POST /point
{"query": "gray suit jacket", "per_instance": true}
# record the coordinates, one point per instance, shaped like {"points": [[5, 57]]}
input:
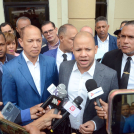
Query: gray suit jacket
{"points": [[104, 76]]}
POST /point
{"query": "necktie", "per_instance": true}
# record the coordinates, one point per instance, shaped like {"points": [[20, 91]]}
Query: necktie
{"points": [[64, 57], [125, 77]]}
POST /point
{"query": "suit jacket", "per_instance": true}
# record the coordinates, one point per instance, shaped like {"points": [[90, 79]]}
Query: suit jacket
{"points": [[9, 57], [112, 42], [113, 59], [53, 53], [104, 77], [18, 85]]}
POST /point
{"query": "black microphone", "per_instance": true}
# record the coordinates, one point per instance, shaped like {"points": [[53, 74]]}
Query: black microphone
{"points": [[92, 85], [56, 101], [77, 102]]}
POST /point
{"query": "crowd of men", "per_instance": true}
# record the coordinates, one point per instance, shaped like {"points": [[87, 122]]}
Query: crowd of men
{"points": [[67, 56]]}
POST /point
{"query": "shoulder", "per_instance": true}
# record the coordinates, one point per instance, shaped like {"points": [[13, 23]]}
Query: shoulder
{"points": [[112, 37], [46, 58], [67, 64], [113, 52], [49, 52], [105, 68], [10, 57]]}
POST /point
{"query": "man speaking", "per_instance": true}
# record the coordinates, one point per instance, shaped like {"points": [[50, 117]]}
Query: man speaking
{"points": [[26, 78], [74, 74]]}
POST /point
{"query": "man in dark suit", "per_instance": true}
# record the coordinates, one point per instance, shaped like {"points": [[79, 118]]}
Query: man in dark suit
{"points": [[4, 58], [117, 59], [74, 74], [103, 39], [66, 35], [27, 77]]}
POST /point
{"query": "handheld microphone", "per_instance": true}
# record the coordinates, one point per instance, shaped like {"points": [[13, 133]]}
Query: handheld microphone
{"points": [[58, 96], [93, 90], [77, 102]]}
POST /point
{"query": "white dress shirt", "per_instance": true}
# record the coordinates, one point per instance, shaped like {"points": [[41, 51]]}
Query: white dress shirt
{"points": [[131, 75], [59, 57], [76, 87], [103, 45], [35, 71]]}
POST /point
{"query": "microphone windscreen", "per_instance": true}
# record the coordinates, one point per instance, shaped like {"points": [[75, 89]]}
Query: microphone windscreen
{"points": [[91, 85], [78, 100]]}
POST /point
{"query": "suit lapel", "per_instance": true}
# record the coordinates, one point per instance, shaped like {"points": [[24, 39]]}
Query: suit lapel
{"points": [[98, 77], [96, 41], [117, 65], [23, 68], [42, 73]]}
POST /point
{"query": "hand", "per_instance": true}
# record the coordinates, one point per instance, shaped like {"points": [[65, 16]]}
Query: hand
{"points": [[45, 121], [36, 111], [33, 129], [1, 103], [87, 128], [102, 112]]}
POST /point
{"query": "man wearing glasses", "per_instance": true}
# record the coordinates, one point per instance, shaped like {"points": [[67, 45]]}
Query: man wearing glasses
{"points": [[50, 33]]}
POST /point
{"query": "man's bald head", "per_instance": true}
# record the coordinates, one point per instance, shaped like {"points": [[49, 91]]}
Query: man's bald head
{"points": [[87, 29], [29, 27], [84, 50], [83, 35]]}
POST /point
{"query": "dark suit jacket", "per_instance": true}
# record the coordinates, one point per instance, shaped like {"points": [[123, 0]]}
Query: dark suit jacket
{"points": [[113, 59], [53, 53], [18, 85], [9, 57], [104, 77], [112, 42]]}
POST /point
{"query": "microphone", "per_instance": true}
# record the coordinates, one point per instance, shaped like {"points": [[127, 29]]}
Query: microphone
{"points": [[56, 99], [93, 90], [76, 102]]}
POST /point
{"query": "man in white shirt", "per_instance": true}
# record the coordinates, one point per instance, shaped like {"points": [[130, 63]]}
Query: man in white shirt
{"points": [[74, 74], [66, 35], [103, 39], [100, 52], [27, 77]]}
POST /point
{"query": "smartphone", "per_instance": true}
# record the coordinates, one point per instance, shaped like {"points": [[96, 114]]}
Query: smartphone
{"points": [[10, 112], [119, 113]]}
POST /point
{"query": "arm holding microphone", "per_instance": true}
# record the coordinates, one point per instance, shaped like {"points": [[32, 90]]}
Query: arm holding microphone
{"points": [[102, 112]]}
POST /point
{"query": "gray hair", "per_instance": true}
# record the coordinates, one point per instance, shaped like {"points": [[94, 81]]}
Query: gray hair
{"points": [[101, 18], [63, 28], [22, 18]]}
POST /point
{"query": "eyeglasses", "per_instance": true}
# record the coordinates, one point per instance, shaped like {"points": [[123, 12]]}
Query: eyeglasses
{"points": [[49, 31]]}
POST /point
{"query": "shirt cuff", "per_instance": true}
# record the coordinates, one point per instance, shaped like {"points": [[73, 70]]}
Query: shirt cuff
{"points": [[25, 115], [95, 125]]}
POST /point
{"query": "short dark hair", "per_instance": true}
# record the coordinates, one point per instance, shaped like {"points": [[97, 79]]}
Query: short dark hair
{"points": [[125, 104], [47, 22], [63, 28], [101, 18], [129, 23], [4, 24], [3, 35]]}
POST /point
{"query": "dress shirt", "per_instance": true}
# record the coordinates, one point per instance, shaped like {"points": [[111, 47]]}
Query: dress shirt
{"points": [[103, 45], [55, 46], [131, 75], [1, 64], [59, 57], [35, 71], [100, 53], [76, 87]]}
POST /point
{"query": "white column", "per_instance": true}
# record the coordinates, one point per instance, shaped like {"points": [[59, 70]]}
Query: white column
{"points": [[2, 16]]}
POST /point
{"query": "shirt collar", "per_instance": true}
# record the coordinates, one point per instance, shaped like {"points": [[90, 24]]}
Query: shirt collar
{"points": [[125, 57], [90, 71], [26, 59], [107, 39]]}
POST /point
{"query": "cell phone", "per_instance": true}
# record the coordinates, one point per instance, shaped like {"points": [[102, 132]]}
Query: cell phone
{"points": [[117, 119], [10, 112]]}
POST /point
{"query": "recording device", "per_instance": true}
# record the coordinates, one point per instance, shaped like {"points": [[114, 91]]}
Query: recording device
{"points": [[93, 90], [10, 112], [77, 102], [56, 100]]}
